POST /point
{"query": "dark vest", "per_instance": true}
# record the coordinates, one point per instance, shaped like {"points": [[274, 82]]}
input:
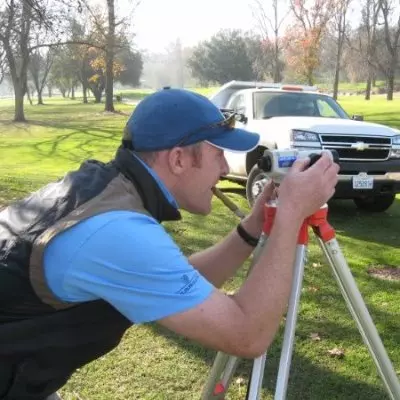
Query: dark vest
{"points": [[44, 340]]}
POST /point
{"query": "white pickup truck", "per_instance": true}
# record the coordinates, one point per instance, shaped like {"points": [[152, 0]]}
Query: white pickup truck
{"points": [[294, 116]]}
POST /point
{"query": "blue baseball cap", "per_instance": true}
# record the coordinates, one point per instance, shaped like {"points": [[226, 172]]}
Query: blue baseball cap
{"points": [[179, 117]]}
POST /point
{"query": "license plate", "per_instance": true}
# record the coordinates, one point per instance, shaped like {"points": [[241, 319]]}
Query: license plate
{"points": [[363, 182]]}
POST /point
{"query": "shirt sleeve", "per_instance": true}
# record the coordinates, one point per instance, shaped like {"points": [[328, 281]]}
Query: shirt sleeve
{"points": [[130, 261]]}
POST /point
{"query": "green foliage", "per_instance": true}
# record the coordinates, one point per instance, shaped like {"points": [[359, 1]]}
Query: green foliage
{"points": [[226, 56], [131, 67]]}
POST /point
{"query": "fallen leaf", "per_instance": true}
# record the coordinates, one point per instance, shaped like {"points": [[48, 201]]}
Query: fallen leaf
{"points": [[313, 289], [316, 265], [240, 380], [315, 337], [336, 352]]}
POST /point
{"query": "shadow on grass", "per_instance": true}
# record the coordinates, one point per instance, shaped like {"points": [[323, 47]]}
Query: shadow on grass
{"points": [[75, 146], [307, 380]]}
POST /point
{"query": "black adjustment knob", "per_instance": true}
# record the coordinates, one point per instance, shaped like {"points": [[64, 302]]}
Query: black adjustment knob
{"points": [[335, 156], [313, 158], [265, 164]]}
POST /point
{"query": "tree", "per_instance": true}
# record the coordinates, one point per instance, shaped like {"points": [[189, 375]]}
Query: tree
{"points": [[63, 73], [369, 45], [132, 66], [110, 53], [303, 37], [20, 21], [340, 27], [16, 21], [39, 67], [109, 28], [391, 12], [269, 29], [223, 58]]}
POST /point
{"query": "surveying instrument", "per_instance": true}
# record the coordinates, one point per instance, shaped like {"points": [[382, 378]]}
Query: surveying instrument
{"points": [[276, 164]]}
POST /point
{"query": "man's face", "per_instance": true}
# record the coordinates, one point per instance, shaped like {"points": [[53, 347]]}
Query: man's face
{"points": [[209, 164]]}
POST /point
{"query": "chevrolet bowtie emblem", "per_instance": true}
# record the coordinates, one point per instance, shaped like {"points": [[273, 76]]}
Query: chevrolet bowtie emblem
{"points": [[360, 146]]}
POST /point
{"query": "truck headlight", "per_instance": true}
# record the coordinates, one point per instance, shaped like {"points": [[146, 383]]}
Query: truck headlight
{"points": [[303, 136], [395, 151], [394, 154], [396, 140]]}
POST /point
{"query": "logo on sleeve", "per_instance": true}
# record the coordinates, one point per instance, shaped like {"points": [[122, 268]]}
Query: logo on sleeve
{"points": [[188, 283]]}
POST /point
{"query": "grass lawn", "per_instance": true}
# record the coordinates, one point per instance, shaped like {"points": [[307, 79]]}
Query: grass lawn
{"points": [[152, 363]]}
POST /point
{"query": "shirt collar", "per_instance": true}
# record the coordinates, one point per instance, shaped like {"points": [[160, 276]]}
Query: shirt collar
{"points": [[160, 183]]}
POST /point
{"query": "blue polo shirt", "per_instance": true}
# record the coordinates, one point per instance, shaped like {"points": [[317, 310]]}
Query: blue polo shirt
{"points": [[129, 260]]}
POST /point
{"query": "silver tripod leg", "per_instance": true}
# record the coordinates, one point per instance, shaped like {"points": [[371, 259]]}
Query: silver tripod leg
{"points": [[290, 324], [256, 378], [224, 365], [361, 316], [288, 340]]}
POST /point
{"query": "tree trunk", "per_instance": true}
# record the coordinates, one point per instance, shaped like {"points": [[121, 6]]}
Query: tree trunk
{"points": [[50, 92], [28, 94], [109, 105], [310, 77], [19, 93], [368, 88], [336, 83], [97, 94], [390, 85], [337, 69], [40, 98], [84, 89], [277, 72], [73, 92]]}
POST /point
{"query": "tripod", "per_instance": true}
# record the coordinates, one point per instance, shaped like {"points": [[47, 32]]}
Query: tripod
{"points": [[225, 365]]}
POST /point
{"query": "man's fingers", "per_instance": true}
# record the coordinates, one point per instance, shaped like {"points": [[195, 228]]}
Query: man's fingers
{"points": [[300, 165], [323, 163], [268, 190]]}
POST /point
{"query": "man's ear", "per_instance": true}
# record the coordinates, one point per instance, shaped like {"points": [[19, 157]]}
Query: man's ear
{"points": [[178, 160]]}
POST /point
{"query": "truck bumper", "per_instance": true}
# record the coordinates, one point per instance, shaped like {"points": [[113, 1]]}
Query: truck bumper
{"points": [[383, 184], [386, 177]]}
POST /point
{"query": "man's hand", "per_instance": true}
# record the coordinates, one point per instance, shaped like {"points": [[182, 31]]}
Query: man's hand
{"points": [[304, 190], [253, 223]]}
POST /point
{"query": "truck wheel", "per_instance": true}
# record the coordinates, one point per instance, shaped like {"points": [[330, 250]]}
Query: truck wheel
{"points": [[377, 203], [255, 183]]}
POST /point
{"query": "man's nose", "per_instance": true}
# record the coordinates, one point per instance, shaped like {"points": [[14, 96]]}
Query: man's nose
{"points": [[225, 167]]}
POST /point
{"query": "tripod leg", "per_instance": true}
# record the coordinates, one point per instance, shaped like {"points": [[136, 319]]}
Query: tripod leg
{"points": [[225, 365], [290, 325], [361, 316], [220, 377], [256, 378]]}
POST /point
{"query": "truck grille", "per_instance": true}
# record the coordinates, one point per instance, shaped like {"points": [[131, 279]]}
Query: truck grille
{"points": [[353, 148]]}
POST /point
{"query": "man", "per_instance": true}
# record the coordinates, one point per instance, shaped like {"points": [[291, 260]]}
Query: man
{"points": [[86, 257]]}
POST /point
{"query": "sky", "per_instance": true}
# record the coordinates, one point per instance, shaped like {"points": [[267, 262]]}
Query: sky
{"points": [[160, 22]]}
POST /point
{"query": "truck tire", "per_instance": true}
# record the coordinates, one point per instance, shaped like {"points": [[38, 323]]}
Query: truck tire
{"points": [[255, 183], [377, 203]]}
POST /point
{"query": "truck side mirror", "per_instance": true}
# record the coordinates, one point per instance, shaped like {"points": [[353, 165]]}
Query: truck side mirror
{"points": [[357, 117]]}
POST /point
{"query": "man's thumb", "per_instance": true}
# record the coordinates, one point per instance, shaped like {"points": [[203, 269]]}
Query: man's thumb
{"points": [[300, 164]]}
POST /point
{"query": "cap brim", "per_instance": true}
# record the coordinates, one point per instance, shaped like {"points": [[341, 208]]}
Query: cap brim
{"points": [[235, 139]]}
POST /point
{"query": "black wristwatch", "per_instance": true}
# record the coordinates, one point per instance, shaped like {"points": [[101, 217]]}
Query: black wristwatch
{"points": [[249, 239]]}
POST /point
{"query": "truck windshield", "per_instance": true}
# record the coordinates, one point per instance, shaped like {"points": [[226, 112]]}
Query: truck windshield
{"points": [[282, 104]]}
